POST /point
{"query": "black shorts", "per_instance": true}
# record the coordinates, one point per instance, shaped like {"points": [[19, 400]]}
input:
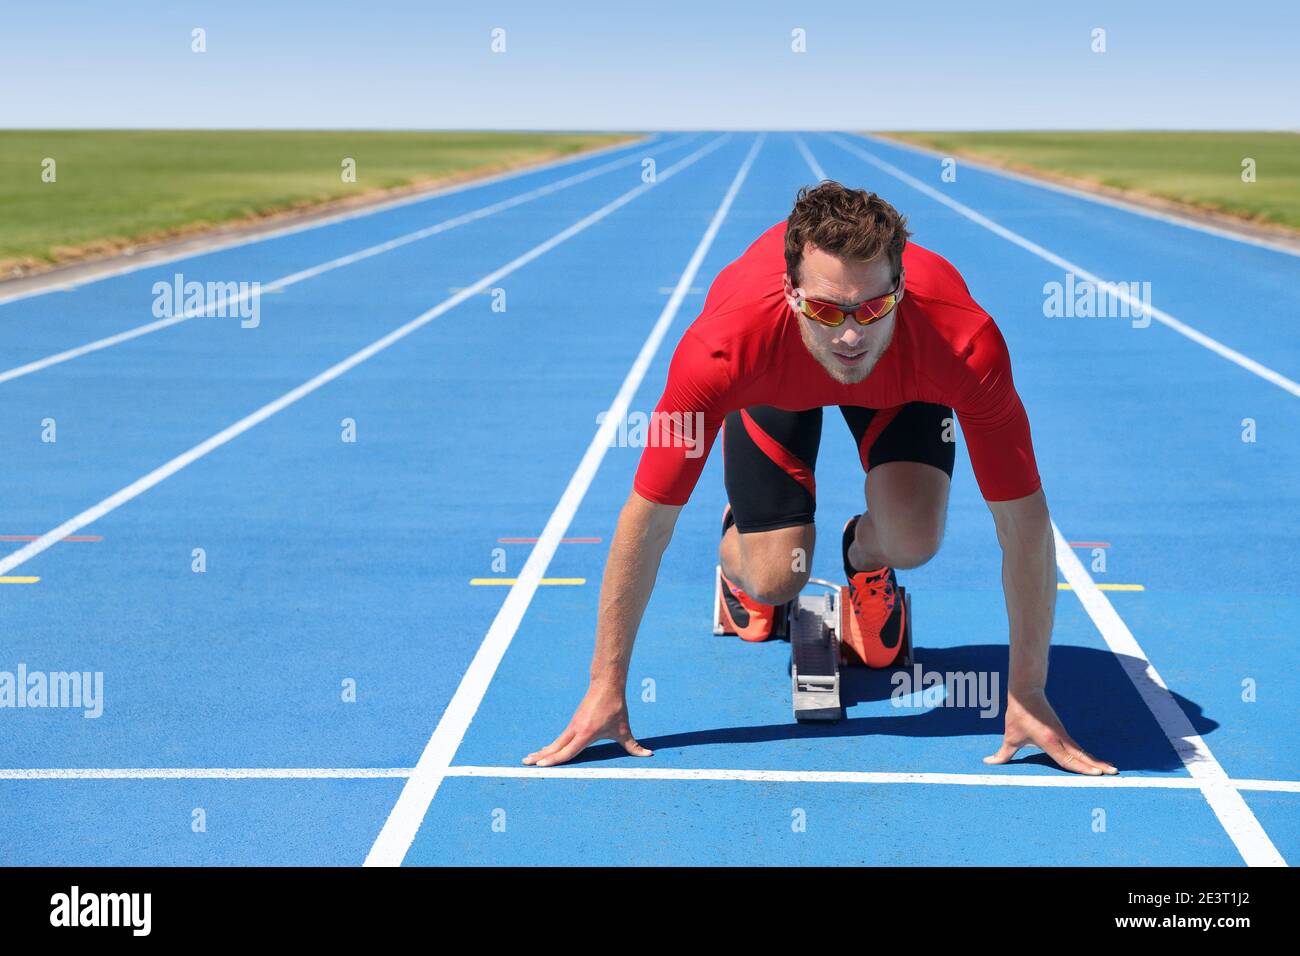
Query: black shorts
{"points": [[770, 455]]}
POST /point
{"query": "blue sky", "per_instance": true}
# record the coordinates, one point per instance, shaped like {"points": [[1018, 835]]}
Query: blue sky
{"points": [[673, 65]]}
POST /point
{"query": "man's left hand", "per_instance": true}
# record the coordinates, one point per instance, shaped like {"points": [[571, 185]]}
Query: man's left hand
{"points": [[1031, 721]]}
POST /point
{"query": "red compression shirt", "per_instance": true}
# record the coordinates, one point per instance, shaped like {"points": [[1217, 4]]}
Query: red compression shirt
{"points": [[745, 350]]}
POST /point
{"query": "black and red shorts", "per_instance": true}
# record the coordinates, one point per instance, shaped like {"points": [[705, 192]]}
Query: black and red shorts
{"points": [[770, 455]]}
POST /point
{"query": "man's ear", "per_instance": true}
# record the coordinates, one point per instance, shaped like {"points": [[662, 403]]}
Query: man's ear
{"points": [[789, 289]]}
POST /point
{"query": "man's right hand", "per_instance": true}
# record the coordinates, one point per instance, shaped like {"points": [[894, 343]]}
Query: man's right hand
{"points": [[602, 715]]}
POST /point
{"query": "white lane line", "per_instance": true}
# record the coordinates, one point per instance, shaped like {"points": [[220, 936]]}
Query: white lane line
{"points": [[225, 306], [330, 220], [208, 773], [394, 840], [810, 159], [1136, 305], [1099, 198], [162, 472], [1275, 786], [1233, 812], [866, 777], [1061, 780], [830, 776]]}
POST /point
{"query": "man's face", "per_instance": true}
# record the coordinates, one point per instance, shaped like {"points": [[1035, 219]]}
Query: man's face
{"points": [[850, 352]]}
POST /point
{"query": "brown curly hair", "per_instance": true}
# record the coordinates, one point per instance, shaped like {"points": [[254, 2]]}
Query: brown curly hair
{"points": [[850, 223]]}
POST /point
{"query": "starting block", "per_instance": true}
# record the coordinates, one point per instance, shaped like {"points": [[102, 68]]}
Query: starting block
{"points": [[813, 623], [816, 654], [815, 657]]}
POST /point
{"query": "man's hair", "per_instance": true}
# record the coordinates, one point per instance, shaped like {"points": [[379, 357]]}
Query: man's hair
{"points": [[849, 223]]}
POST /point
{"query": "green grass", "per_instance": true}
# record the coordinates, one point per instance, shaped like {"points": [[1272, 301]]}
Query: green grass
{"points": [[1201, 169], [115, 187]]}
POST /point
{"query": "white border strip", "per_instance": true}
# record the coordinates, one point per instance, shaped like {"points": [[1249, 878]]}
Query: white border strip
{"points": [[1102, 199], [1138, 307], [277, 285], [325, 221], [570, 772], [394, 840], [162, 472], [1233, 812]]}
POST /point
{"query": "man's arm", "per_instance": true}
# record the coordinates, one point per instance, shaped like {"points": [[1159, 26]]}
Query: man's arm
{"points": [[1029, 583], [643, 532]]}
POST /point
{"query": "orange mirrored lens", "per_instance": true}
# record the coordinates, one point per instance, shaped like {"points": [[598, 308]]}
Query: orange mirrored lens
{"points": [[876, 308], [834, 316], [823, 313]]}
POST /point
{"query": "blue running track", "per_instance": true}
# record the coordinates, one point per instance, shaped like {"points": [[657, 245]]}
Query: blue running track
{"points": [[332, 689]]}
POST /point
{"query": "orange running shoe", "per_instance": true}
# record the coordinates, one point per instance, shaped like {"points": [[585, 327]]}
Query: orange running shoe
{"points": [[873, 617], [738, 613]]}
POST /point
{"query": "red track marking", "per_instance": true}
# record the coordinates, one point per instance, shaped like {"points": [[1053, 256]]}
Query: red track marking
{"points": [[32, 537], [562, 541], [1090, 544]]}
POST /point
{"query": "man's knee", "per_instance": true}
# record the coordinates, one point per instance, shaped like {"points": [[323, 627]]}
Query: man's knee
{"points": [[913, 547], [777, 565], [775, 585]]}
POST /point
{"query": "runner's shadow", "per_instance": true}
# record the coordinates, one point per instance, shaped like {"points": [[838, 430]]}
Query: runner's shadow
{"points": [[1088, 688]]}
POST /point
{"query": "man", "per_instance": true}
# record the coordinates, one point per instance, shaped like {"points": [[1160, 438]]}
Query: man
{"points": [[835, 307]]}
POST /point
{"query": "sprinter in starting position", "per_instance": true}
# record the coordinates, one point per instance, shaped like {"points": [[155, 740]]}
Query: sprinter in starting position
{"points": [[834, 307]]}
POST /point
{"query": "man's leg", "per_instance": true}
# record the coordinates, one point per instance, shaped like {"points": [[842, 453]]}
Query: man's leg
{"points": [[903, 524], [770, 566], [909, 469], [769, 459]]}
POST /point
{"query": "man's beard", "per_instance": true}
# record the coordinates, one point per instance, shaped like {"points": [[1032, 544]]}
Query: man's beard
{"points": [[844, 374]]}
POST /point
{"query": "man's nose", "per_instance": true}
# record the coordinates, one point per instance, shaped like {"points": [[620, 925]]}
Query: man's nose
{"points": [[850, 335]]}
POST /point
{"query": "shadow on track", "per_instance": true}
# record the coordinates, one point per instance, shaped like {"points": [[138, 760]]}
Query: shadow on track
{"points": [[1087, 687]]}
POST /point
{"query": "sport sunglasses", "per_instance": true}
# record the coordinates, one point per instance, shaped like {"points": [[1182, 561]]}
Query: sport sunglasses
{"points": [[832, 315]]}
